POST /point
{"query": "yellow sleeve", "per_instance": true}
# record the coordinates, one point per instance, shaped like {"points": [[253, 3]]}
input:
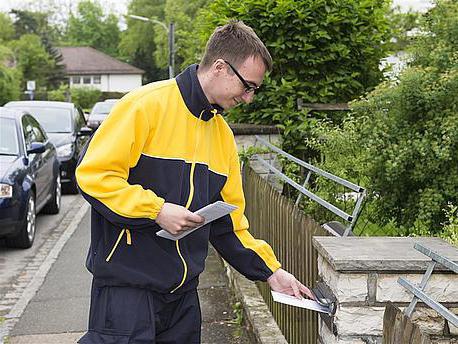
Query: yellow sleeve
{"points": [[104, 169], [230, 236]]}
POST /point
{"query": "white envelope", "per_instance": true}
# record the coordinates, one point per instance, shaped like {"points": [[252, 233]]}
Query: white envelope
{"points": [[210, 213], [304, 303]]}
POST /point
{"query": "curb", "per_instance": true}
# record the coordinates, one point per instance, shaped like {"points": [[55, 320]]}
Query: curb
{"points": [[258, 318]]}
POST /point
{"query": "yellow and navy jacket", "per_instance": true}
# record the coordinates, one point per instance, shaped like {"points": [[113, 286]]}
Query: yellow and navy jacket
{"points": [[164, 142]]}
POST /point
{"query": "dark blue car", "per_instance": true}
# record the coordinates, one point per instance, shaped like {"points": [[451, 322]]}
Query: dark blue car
{"points": [[29, 176], [65, 126]]}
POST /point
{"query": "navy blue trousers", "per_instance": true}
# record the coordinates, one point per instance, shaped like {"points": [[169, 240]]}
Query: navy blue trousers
{"points": [[125, 315]]}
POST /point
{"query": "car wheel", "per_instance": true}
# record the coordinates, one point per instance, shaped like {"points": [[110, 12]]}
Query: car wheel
{"points": [[71, 187], [53, 206], [26, 235]]}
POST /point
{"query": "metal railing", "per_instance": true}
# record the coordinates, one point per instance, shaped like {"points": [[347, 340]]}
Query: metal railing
{"points": [[333, 227], [418, 292], [281, 222]]}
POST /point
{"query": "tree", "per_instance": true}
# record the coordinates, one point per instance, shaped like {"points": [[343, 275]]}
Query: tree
{"points": [[37, 23], [10, 76], [438, 46], [183, 14], [137, 44], [6, 28], [89, 26], [56, 75], [32, 59], [57, 12]]}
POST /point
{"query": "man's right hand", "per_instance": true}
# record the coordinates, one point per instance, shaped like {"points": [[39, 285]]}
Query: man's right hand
{"points": [[175, 219]]}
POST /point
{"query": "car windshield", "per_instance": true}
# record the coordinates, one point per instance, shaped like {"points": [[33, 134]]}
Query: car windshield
{"points": [[97, 116], [53, 120], [8, 137], [102, 108]]}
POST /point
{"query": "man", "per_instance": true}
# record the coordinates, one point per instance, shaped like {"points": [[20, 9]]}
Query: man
{"points": [[164, 152]]}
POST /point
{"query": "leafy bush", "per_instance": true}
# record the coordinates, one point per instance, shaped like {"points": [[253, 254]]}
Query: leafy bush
{"points": [[323, 51], [402, 24], [401, 138], [85, 97], [450, 229], [60, 95], [9, 84]]}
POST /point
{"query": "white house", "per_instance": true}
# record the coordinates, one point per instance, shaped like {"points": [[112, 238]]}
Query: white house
{"points": [[86, 66]]}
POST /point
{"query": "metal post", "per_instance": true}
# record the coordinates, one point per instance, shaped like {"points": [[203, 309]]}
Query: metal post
{"points": [[409, 310], [303, 185], [171, 40], [171, 50]]}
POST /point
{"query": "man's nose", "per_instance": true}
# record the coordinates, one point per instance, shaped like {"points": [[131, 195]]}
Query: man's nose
{"points": [[248, 97]]}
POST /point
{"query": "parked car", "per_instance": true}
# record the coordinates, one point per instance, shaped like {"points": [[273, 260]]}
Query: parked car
{"points": [[99, 112], [66, 127], [29, 176]]}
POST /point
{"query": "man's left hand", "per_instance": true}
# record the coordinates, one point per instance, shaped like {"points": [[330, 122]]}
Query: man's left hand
{"points": [[283, 282]]}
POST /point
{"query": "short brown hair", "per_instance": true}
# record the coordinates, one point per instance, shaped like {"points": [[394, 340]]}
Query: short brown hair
{"points": [[235, 42]]}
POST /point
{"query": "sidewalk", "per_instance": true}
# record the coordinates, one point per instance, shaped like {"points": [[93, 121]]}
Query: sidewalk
{"points": [[58, 312]]}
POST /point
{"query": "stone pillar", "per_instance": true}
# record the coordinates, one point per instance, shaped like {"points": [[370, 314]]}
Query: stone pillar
{"points": [[245, 137], [362, 273], [245, 134]]}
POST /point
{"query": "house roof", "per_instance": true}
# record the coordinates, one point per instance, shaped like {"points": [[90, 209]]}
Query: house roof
{"points": [[87, 60]]}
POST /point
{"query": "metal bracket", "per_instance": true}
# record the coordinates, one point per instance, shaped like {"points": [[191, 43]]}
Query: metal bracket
{"points": [[303, 191], [325, 296], [418, 292]]}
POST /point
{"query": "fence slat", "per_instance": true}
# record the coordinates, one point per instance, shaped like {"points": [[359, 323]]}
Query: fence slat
{"points": [[277, 220]]}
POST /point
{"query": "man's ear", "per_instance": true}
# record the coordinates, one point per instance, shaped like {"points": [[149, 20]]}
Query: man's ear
{"points": [[219, 66]]}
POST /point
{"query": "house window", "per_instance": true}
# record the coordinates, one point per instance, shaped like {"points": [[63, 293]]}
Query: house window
{"points": [[86, 80], [97, 79], [76, 80]]}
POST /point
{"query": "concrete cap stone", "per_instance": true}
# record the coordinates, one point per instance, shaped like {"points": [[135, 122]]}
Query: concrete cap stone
{"points": [[353, 254]]}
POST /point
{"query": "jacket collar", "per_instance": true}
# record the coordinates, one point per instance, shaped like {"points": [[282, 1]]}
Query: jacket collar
{"points": [[193, 95]]}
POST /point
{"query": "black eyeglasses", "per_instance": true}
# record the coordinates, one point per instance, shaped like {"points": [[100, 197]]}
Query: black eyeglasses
{"points": [[249, 88]]}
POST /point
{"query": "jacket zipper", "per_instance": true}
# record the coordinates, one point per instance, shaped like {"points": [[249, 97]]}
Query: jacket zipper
{"points": [[128, 242], [188, 203]]}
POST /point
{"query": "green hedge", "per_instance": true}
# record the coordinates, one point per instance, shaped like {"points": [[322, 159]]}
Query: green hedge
{"points": [[323, 51], [85, 97]]}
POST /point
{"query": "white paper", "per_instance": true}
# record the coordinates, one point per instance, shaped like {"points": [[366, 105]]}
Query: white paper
{"points": [[304, 303], [210, 213]]}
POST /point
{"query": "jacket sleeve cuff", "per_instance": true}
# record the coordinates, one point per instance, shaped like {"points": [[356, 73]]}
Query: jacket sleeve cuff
{"points": [[274, 268], [157, 208]]}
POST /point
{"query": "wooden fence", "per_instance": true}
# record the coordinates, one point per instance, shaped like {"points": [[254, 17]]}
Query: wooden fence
{"points": [[276, 219], [399, 329]]}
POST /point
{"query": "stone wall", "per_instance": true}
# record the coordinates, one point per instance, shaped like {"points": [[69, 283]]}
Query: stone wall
{"points": [[245, 138], [362, 274], [245, 134]]}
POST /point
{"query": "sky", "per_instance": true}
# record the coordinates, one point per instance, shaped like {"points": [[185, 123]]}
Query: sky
{"points": [[120, 6], [116, 6]]}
